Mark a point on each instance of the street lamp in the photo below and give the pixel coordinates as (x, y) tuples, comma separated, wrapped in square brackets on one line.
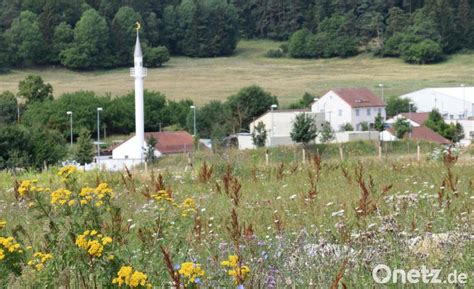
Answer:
[(193, 107), (274, 106), (99, 109), (70, 118), (464, 101), (381, 87)]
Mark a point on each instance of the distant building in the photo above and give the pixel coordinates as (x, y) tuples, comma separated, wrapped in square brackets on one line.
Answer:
[(279, 125), (350, 105), (166, 143), (468, 127), (419, 133), (415, 118), (451, 102)]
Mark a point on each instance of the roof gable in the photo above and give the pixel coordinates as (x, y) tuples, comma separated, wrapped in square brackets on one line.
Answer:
[(359, 97), (424, 133)]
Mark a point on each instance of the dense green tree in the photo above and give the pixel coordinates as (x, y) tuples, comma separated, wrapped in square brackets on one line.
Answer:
[(84, 153), (423, 52), (304, 129), (401, 127), (62, 39), (259, 135), (397, 21), (24, 147), (25, 40), (379, 123), (212, 120), (89, 48), (297, 46), (396, 105), (8, 108), (156, 56), (123, 34), (347, 127), (304, 102), (248, 103), (52, 113), (327, 133), (33, 89)]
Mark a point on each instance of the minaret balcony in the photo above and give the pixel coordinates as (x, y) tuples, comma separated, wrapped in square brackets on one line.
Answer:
[(144, 72)]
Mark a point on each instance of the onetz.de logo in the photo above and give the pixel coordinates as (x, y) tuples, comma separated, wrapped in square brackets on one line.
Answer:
[(382, 274)]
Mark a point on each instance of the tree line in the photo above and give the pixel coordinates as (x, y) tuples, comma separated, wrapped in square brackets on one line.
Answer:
[(417, 31), (88, 34)]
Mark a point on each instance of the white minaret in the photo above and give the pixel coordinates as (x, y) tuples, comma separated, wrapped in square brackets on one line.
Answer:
[(139, 72)]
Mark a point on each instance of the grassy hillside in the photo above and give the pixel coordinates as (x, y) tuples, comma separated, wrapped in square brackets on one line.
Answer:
[(216, 78)]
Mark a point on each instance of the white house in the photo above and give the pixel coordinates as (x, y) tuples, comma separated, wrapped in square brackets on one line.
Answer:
[(349, 105), (279, 123), (451, 102)]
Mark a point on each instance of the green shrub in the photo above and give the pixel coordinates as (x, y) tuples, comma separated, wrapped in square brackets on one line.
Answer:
[(424, 52), (274, 53)]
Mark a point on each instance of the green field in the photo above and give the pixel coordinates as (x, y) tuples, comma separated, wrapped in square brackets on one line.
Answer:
[(290, 227), (216, 78)]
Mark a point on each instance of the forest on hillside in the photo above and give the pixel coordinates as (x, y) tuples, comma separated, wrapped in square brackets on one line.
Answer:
[(88, 34)]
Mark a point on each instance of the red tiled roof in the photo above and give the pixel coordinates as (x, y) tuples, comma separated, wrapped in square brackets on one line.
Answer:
[(359, 97), (424, 133), (172, 142), (167, 142), (418, 117)]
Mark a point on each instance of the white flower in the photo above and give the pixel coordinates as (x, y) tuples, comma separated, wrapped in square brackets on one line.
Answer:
[(329, 204), (338, 213), (292, 197)]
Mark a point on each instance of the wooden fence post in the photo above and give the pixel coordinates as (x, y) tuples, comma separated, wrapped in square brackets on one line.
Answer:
[(304, 155), (267, 157), (341, 153)]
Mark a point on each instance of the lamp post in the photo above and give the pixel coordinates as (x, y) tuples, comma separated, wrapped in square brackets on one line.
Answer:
[(70, 119), (274, 106), (464, 101), (382, 88), (193, 107), (99, 109)]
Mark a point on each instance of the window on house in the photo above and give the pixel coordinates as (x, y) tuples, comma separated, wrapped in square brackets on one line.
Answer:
[(357, 112), (379, 111), (340, 112), (368, 111)]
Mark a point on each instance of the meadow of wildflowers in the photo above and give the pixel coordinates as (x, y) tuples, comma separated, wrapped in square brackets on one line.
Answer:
[(234, 222)]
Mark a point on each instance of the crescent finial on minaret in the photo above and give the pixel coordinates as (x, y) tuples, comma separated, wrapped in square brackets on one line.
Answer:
[(138, 26)]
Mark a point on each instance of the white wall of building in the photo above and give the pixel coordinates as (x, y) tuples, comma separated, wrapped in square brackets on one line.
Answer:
[(128, 150), (338, 112), (245, 141), (394, 119), (282, 121), (450, 102)]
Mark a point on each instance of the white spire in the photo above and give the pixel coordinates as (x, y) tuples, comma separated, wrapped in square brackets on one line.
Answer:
[(138, 48)]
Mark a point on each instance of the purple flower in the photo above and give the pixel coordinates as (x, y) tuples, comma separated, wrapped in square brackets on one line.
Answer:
[(177, 267), (240, 286)]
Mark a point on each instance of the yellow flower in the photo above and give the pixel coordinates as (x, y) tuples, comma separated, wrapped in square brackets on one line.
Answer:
[(191, 271), (60, 197), (10, 244), (188, 206), (92, 242), (239, 273), (106, 240), (28, 186), (39, 259), (66, 171), (126, 275), (163, 196), (2, 254)]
